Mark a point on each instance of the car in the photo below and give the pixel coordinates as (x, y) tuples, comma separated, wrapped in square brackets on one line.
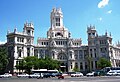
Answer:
[(55, 74), (6, 75), (77, 74), (65, 74), (48, 75), (35, 75), (22, 75), (90, 74), (111, 73), (69, 73), (41, 76), (60, 76), (118, 73)]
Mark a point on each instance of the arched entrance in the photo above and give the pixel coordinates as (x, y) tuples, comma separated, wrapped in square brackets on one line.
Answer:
[(64, 62), (64, 67)]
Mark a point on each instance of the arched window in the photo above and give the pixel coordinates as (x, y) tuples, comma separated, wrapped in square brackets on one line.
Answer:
[(58, 34), (62, 57)]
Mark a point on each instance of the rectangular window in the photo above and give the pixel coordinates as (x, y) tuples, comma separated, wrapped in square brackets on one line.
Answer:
[(70, 55), (81, 66), (57, 42), (80, 54), (91, 55), (76, 65), (92, 64), (28, 51), (47, 43), (71, 65), (95, 55), (28, 40), (53, 56), (17, 39), (57, 19), (22, 39), (96, 64), (57, 24), (32, 32), (19, 51), (42, 43), (28, 54), (17, 62), (86, 65), (76, 54)]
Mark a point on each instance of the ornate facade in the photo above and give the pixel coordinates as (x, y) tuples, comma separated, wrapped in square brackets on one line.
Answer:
[(60, 46)]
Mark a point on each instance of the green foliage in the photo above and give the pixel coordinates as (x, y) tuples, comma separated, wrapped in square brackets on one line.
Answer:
[(21, 64), (30, 62), (33, 62), (76, 69), (27, 63), (103, 62), (3, 58), (48, 63)]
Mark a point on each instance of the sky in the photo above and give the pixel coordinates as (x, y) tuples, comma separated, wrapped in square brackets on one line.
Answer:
[(78, 14)]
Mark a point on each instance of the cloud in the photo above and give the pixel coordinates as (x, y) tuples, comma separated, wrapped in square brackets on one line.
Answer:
[(109, 12), (103, 3), (3, 42), (100, 19)]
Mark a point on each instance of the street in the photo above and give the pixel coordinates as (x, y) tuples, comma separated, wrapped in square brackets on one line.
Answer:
[(67, 79)]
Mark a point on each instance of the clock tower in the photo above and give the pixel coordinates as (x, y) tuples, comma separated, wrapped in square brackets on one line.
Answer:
[(57, 28)]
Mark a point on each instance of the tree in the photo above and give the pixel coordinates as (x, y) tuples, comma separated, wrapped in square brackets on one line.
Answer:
[(103, 62), (20, 65), (89, 59), (28, 63), (32, 62), (76, 69), (48, 63), (3, 58)]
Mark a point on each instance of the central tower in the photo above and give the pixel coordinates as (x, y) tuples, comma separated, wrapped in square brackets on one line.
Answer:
[(56, 18), (57, 28)]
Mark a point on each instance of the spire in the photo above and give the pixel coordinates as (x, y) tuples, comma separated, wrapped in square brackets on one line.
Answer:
[(8, 31), (106, 33), (15, 30), (54, 9)]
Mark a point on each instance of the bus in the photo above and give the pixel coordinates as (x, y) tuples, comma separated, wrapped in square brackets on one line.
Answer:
[(107, 69), (46, 73), (39, 71)]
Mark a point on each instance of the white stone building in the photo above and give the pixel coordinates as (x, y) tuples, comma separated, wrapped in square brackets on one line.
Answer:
[(59, 45), (20, 44)]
